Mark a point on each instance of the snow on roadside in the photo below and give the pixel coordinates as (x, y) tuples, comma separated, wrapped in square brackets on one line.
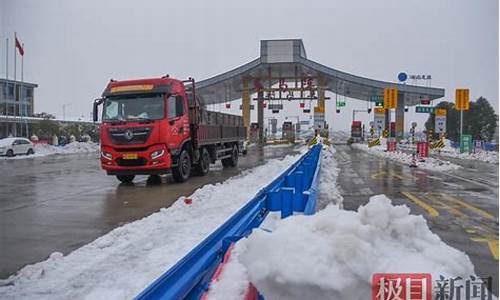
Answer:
[(432, 164), (333, 254), (71, 148), (234, 279), (328, 191), (484, 156), (448, 151), (123, 262)]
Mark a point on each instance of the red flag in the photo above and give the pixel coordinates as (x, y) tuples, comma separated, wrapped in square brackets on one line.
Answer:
[(19, 47)]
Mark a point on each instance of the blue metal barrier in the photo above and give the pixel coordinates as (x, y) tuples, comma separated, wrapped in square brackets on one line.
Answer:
[(294, 190)]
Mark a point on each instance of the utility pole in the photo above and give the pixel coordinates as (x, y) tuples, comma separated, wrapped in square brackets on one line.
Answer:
[(64, 110)]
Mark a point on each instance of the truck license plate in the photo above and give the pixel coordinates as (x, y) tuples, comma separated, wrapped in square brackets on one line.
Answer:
[(130, 156)]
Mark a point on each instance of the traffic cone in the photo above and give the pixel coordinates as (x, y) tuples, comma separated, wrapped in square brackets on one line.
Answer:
[(413, 163)]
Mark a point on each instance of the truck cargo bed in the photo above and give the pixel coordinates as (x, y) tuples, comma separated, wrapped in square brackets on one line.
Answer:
[(212, 134), (215, 127)]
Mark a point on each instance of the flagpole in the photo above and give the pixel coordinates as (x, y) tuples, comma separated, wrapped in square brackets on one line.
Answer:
[(15, 58), (22, 65), (7, 58)]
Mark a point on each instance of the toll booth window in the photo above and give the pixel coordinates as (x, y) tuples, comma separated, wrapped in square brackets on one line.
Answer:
[(175, 106)]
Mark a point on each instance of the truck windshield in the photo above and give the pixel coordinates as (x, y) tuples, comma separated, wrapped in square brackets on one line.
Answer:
[(135, 107)]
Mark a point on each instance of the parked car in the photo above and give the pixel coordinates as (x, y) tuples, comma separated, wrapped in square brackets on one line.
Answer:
[(14, 146)]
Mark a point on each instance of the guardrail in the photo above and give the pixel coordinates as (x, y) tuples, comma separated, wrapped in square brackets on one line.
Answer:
[(295, 190)]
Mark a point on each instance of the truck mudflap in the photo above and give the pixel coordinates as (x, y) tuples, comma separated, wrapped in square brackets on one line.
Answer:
[(294, 191)]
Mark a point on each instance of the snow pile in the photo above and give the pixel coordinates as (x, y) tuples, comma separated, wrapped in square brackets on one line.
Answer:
[(485, 156), (430, 163), (333, 254), (123, 262), (74, 147), (233, 281), (71, 148), (481, 155), (328, 191)]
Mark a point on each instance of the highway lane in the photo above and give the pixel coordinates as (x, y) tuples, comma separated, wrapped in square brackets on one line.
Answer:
[(462, 210), (62, 202)]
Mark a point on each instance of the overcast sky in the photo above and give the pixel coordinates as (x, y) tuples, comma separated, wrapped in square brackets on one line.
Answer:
[(74, 47)]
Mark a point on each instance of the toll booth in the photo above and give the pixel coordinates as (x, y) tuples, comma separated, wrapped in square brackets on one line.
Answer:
[(288, 132), (254, 133)]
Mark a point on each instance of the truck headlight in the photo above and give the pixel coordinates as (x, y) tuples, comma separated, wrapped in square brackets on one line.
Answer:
[(157, 153), (106, 155)]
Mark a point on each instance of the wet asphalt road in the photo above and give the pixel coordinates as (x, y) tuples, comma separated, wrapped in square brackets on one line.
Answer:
[(460, 206), (62, 202)]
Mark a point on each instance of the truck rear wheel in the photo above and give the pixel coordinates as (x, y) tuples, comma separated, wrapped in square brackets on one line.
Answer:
[(125, 178), (203, 165), (231, 161), (183, 170)]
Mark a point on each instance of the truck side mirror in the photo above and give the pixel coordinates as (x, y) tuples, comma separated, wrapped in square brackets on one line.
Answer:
[(97, 102)]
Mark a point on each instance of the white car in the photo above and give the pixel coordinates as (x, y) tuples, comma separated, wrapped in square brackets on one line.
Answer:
[(15, 146)]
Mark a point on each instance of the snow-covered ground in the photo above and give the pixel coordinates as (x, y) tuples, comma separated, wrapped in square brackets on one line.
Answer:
[(481, 155), (123, 262), (430, 163), (71, 148), (449, 151), (333, 254)]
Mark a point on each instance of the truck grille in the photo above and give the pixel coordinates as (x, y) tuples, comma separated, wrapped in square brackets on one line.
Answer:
[(131, 162), (129, 136)]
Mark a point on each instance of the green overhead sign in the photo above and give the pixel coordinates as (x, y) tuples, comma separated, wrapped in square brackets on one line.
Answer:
[(379, 100), (424, 109), (340, 103)]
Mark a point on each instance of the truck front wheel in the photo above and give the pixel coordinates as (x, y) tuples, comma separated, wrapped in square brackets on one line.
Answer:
[(233, 160), (183, 170), (125, 178)]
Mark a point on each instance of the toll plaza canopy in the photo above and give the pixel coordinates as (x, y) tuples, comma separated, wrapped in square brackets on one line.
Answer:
[(287, 59)]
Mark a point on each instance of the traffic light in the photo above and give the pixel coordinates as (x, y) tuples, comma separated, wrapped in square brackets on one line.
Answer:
[(369, 110), (406, 108), (338, 111)]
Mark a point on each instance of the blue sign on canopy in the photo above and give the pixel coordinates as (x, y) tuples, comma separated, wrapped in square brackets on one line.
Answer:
[(402, 76)]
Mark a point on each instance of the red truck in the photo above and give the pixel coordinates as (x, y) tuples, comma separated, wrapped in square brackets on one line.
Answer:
[(356, 132), (158, 126)]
